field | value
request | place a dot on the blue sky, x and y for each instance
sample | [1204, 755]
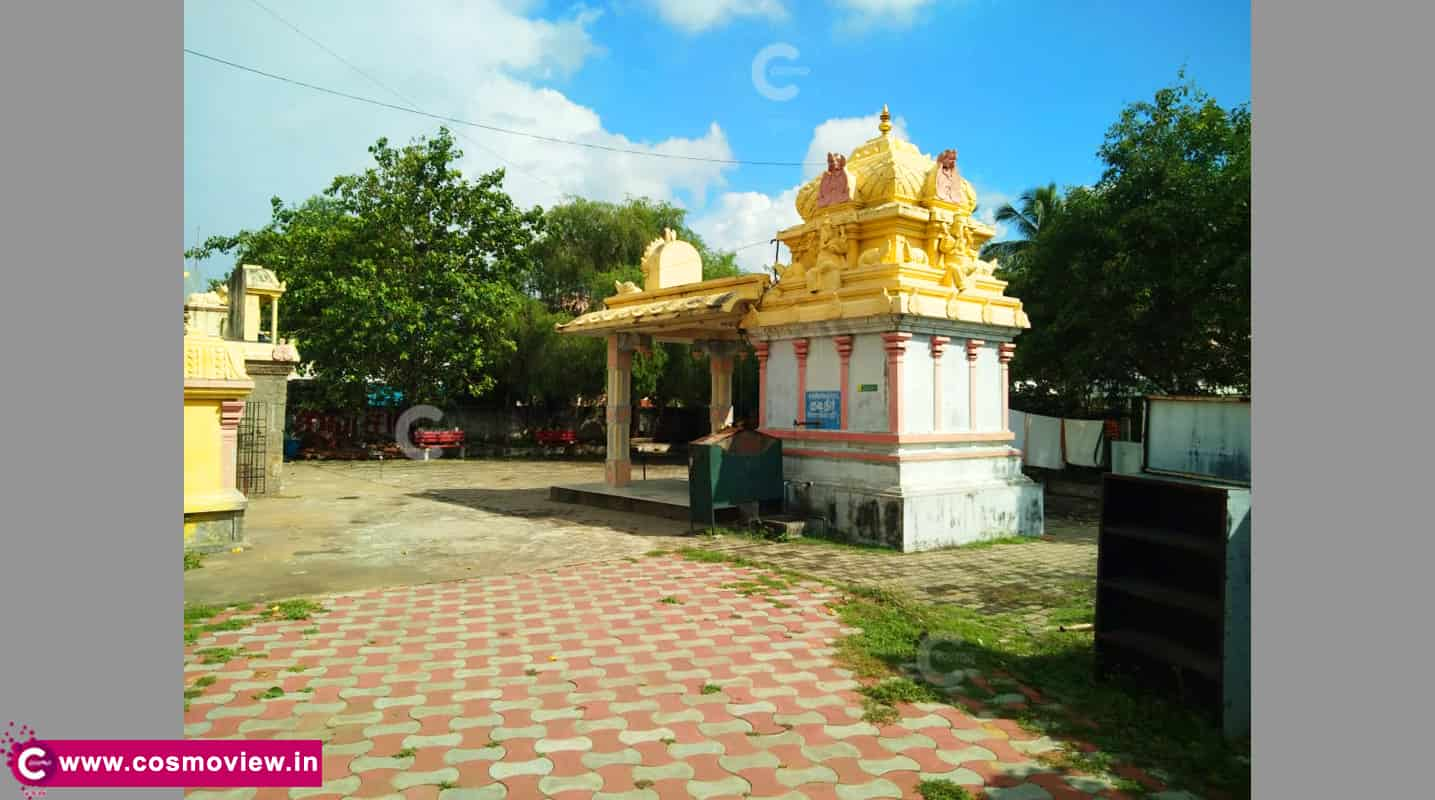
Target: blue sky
[1023, 89]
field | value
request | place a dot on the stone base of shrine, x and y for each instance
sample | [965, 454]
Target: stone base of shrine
[917, 505]
[660, 497]
[214, 532]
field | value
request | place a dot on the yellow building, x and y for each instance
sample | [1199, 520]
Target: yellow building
[215, 385]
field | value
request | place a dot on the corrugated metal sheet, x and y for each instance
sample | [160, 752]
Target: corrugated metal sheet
[1207, 437]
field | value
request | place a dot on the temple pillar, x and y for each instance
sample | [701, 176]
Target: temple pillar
[844, 357]
[618, 465]
[938, 343]
[799, 349]
[762, 349]
[974, 346]
[896, 347]
[1005, 353]
[721, 356]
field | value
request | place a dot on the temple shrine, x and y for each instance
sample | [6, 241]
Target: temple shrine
[883, 352]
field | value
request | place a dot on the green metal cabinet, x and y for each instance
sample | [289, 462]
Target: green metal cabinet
[731, 468]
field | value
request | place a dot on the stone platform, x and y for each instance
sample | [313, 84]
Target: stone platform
[659, 497]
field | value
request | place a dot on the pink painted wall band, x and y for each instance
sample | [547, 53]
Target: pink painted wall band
[796, 434]
[844, 354]
[230, 413]
[896, 346]
[895, 458]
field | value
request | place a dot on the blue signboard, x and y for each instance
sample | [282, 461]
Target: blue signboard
[824, 410]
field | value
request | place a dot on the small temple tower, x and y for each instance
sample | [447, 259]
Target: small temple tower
[884, 348]
[883, 351]
[269, 360]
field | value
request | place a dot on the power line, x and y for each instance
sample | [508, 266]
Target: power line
[412, 105]
[511, 132]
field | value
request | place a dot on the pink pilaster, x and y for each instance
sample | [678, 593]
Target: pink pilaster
[1005, 353]
[938, 344]
[896, 346]
[974, 346]
[762, 349]
[799, 348]
[844, 355]
[230, 412]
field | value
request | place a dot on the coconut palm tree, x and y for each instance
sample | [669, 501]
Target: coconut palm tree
[1034, 208]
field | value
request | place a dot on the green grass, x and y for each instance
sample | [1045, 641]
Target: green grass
[297, 668]
[982, 544]
[269, 694]
[217, 655]
[942, 789]
[193, 560]
[670, 600]
[711, 688]
[407, 752]
[446, 785]
[642, 783]
[1146, 729]
[205, 682]
[197, 618]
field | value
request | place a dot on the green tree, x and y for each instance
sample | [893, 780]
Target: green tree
[1035, 206]
[587, 246]
[406, 274]
[1142, 282]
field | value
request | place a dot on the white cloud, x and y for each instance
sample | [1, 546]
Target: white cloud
[696, 16]
[987, 205]
[842, 135]
[542, 172]
[740, 219]
[865, 14]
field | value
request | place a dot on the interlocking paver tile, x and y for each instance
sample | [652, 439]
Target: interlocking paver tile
[579, 683]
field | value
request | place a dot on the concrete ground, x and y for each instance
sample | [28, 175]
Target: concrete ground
[346, 526]
[349, 526]
[640, 679]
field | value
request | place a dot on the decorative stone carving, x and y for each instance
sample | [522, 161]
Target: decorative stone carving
[837, 185]
[626, 287]
[669, 261]
[285, 352]
[826, 274]
[211, 360]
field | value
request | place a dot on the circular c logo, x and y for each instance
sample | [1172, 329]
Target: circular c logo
[406, 421]
[34, 764]
[779, 51]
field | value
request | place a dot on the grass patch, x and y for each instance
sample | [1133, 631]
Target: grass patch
[407, 752]
[655, 553]
[190, 694]
[197, 618]
[297, 668]
[670, 600]
[193, 614]
[295, 609]
[217, 655]
[205, 682]
[642, 783]
[878, 713]
[193, 560]
[309, 631]
[983, 544]
[273, 692]
[942, 789]
[446, 785]
[711, 688]
[1149, 731]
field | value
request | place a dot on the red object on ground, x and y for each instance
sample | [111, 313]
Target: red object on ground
[555, 437]
[453, 438]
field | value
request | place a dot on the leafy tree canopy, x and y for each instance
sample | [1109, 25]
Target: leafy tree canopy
[405, 274]
[1141, 283]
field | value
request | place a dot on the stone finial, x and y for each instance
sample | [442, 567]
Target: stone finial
[886, 125]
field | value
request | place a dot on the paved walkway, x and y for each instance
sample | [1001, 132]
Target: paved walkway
[1028, 579]
[635, 678]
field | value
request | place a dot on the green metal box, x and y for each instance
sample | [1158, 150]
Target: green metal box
[731, 468]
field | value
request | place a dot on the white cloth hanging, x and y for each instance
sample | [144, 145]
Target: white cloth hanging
[1043, 442]
[1083, 442]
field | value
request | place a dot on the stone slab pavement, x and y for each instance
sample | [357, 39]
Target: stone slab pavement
[634, 678]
